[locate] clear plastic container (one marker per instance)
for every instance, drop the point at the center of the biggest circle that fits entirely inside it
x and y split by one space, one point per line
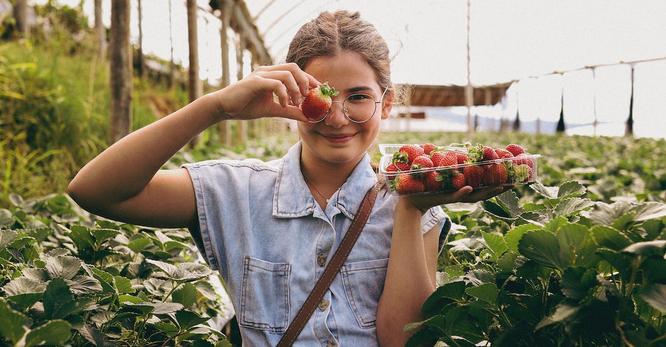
521 169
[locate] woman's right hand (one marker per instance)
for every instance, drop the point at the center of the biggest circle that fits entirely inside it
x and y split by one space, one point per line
269 91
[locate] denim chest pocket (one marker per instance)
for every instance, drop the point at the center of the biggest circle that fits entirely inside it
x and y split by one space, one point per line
363 282
265 295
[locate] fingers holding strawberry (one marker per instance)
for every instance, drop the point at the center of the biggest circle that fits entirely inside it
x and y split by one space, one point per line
269 91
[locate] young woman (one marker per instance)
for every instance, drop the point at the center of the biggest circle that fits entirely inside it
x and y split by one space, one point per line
271 227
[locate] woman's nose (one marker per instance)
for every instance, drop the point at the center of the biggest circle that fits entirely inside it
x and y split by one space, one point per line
336 117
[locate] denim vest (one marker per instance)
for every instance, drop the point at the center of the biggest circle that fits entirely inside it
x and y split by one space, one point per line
262 229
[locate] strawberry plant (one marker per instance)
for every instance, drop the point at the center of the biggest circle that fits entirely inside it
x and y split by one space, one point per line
556 269
67 277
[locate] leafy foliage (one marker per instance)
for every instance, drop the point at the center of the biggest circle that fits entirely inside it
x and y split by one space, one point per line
67 277
587 274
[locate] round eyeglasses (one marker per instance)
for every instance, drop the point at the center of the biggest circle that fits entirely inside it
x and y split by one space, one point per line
357 107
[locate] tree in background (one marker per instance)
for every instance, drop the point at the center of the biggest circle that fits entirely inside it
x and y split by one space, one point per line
100 31
140 52
21 16
195 86
121 70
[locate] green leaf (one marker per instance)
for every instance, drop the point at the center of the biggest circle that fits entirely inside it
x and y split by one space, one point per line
166 307
102 235
571 238
139 244
620 261
514 235
54 332
7 237
123 285
649 210
182 272
606 214
569 206
187 319
556 223
185 295
63 266
495 243
647 248
6 220
11 322
81 237
576 281
23 292
571 188
507 261
486 292
168 328
655 295
655 269
83 284
562 312
130 298
542 247
449 291
58 300
548 192
609 237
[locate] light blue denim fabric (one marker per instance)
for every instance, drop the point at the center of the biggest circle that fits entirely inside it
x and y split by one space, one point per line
270 240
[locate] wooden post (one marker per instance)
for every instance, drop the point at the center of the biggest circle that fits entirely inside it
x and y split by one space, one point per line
121 70
629 127
469 91
172 65
140 53
224 127
195 86
21 17
100 32
561 127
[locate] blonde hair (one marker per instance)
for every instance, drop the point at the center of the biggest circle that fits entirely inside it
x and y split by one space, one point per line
330 33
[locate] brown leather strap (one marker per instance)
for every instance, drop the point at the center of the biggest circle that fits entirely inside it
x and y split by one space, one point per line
331 269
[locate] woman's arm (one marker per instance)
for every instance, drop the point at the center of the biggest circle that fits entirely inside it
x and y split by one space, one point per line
123 182
410 277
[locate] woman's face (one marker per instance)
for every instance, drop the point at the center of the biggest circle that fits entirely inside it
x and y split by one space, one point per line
336 139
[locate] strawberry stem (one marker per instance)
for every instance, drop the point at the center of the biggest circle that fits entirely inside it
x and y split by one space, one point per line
328 90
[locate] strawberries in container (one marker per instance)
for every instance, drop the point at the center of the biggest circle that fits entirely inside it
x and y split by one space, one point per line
429 168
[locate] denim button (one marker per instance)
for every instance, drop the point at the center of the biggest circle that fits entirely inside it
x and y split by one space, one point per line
323 304
321 259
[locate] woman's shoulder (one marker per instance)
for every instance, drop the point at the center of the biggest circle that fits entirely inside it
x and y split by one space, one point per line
237 164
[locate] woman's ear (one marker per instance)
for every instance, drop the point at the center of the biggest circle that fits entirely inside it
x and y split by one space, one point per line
387 104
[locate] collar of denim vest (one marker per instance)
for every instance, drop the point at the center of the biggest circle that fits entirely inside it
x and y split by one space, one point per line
292 197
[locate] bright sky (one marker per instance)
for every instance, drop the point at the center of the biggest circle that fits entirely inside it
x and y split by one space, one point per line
510 39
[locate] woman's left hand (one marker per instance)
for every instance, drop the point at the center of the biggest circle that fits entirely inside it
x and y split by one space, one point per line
464 194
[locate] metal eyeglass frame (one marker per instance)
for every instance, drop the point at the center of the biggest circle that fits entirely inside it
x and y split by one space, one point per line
345 113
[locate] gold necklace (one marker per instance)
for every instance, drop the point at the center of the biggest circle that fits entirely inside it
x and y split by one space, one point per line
311 185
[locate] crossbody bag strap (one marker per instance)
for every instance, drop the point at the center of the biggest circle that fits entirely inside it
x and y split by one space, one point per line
332 268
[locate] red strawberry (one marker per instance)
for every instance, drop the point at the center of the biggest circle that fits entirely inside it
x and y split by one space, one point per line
421 162
433 181
428 148
407 153
407 184
436 157
489 153
449 159
462 157
495 174
391 168
515 149
473 175
503 153
402 166
318 101
457 180
523 159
